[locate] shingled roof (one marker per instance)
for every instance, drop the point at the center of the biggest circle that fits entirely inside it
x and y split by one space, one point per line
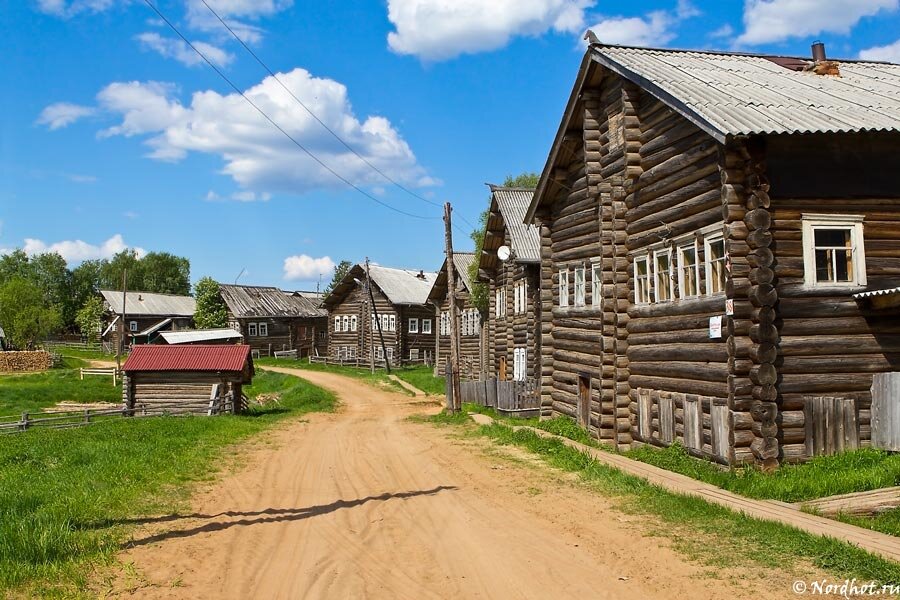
249 301
461 262
400 286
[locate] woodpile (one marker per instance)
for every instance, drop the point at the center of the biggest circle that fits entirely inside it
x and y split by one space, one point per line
25 361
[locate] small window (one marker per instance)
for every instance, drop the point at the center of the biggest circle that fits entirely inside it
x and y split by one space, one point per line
662 271
563 288
263 329
390 355
688 271
579 286
133 326
833 252
414 354
715 264
345 323
643 284
596 283
520 369
414 326
426 325
337 325
379 352
251 327
392 322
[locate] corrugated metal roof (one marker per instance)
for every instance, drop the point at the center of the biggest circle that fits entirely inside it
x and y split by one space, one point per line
192 336
150 304
188 358
461 262
873 293
263 301
513 204
738 94
403 286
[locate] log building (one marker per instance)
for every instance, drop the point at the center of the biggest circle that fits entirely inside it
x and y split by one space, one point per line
720 252
273 320
145 315
404 313
514 325
472 334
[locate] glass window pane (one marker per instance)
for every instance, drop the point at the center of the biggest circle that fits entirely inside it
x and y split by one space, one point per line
833 237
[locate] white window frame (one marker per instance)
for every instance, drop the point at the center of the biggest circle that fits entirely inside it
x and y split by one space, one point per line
708 241
596 284
580 286
251 329
263 329
667 252
379 352
353 323
413 325
413 354
853 223
520 368
426 326
133 326
337 324
392 322
643 286
563 288
345 323
679 252
390 354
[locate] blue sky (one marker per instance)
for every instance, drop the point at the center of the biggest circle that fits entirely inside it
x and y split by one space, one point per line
115 134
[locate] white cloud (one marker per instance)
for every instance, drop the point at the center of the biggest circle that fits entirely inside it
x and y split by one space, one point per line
63 114
725 31
305 267
234 12
652 30
257 156
687 10
74 251
248 196
889 53
65 10
180 51
767 21
438 29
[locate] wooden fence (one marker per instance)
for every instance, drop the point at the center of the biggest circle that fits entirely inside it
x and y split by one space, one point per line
363 363
110 372
512 398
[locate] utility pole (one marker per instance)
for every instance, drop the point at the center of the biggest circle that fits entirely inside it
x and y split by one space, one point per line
456 403
121 342
387 363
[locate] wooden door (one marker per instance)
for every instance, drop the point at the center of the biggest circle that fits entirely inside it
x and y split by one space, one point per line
501 373
584 401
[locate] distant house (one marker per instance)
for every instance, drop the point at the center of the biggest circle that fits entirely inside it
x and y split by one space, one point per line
200 336
200 379
406 317
145 315
513 326
472 338
272 320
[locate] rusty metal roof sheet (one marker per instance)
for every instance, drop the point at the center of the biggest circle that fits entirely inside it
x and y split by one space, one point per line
150 304
188 358
729 94
247 301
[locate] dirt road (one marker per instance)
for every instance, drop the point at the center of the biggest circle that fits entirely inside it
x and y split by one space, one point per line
366 504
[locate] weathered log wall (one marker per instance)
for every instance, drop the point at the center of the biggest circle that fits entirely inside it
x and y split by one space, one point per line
470 346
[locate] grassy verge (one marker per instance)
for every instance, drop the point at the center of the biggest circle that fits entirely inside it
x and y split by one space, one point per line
35 391
69 497
695 526
378 379
422 377
84 354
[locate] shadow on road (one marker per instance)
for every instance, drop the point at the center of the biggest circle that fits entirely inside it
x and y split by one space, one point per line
269 515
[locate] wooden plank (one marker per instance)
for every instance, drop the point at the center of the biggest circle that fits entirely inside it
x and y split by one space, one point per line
645 403
693 432
666 418
719 422
851 424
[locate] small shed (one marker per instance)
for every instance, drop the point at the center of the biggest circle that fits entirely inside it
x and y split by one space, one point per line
203 379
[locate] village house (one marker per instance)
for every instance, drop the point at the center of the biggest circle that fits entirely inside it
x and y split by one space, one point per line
472 340
273 320
720 258
510 263
401 307
145 315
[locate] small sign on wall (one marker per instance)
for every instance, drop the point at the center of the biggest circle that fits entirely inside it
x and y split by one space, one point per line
729 307
715 327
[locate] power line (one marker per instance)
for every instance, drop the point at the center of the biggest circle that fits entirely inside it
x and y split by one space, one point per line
316 117
277 126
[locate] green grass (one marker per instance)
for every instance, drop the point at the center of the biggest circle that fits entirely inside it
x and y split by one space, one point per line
85 354
422 377
33 392
709 533
378 379
68 498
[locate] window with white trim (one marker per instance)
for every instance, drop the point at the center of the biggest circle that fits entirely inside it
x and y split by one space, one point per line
426 325
563 288
714 261
251 327
133 326
520 368
445 323
351 351
353 323
345 323
414 326
579 286
688 270
663 283
643 282
379 353
390 355
596 284
263 329
413 354
833 250
500 302
392 322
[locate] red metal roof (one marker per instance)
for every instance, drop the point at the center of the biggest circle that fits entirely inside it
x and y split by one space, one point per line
187 358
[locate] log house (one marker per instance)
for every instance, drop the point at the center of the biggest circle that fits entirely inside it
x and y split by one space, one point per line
471 320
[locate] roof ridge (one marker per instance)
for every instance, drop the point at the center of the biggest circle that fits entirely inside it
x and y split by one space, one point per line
601 45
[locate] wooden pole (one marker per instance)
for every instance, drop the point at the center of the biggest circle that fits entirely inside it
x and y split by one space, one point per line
121 343
456 404
370 305
387 364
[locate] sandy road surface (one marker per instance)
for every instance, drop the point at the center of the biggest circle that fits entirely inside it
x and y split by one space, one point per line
366 504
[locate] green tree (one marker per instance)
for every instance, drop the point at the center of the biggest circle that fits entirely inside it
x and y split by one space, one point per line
166 273
88 318
86 281
527 180
51 274
111 271
340 271
211 312
26 316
